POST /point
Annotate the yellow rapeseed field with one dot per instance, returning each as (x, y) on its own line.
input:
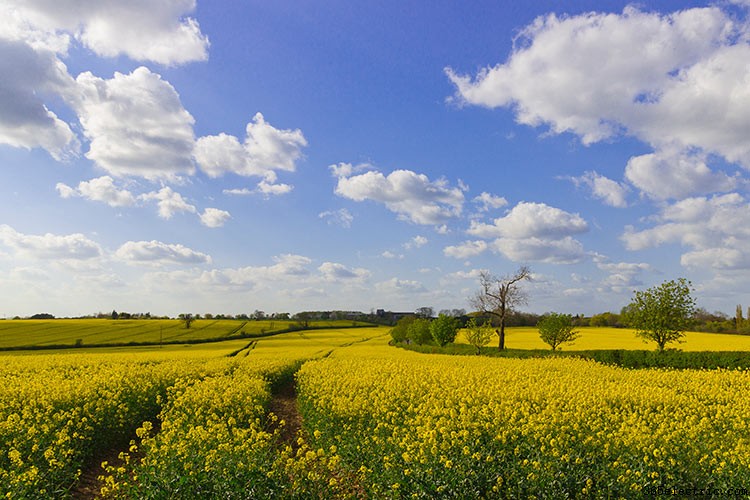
(619, 338)
(379, 422)
(413, 425)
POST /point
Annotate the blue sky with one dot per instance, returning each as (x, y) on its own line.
(173, 155)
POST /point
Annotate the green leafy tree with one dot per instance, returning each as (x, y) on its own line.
(556, 329)
(662, 313)
(444, 329)
(419, 331)
(400, 332)
(478, 335)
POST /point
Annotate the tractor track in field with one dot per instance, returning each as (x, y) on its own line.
(90, 481)
(89, 484)
(284, 405)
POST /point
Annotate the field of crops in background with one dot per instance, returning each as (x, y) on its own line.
(88, 332)
(594, 337)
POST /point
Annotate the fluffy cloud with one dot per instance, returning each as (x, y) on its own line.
(416, 242)
(676, 81)
(136, 124)
(714, 229)
(412, 196)
(145, 30)
(158, 253)
(341, 217)
(269, 189)
(169, 202)
(213, 217)
(100, 189)
(287, 269)
(487, 201)
(50, 246)
(664, 175)
(557, 251)
(528, 220)
(287, 266)
(590, 74)
(266, 149)
(36, 34)
(611, 192)
(726, 259)
(466, 249)
(530, 232)
(25, 121)
(332, 271)
(623, 276)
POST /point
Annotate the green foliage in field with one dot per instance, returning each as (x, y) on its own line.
(444, 329)
(478, 335)
(662, 313)
(418, 331)
(400, 332)
(556, 329)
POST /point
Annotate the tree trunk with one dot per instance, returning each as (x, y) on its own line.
(501, 342)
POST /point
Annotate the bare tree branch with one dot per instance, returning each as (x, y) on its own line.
(500, 296)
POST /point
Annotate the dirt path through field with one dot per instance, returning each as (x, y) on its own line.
(89, 485)
(284, 406)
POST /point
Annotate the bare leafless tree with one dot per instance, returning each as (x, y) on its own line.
(499, 296)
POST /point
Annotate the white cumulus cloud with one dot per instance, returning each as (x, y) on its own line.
(664, 175)
(50, 246)
(169, 202)
(265, 150)
(271, 189)
(145, 30)
(531, 232)
(527, 220)
(101, 189)
(487, 201)
(214, 217)
(565, 250)
(611, 192)
(677, 81)
(136, 125)
(416, 242)
(30, 78)
(714, 231)
(414, 197)
(156, 252)
(332, 271)
(466, 249)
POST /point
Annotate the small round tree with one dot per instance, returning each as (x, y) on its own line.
(478, 335)
(400, 331)
(444, 329)
(556, 329)
(418, 331)
(662, 313)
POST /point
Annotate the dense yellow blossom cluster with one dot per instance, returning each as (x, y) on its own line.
(56, 410)
(423, 426)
